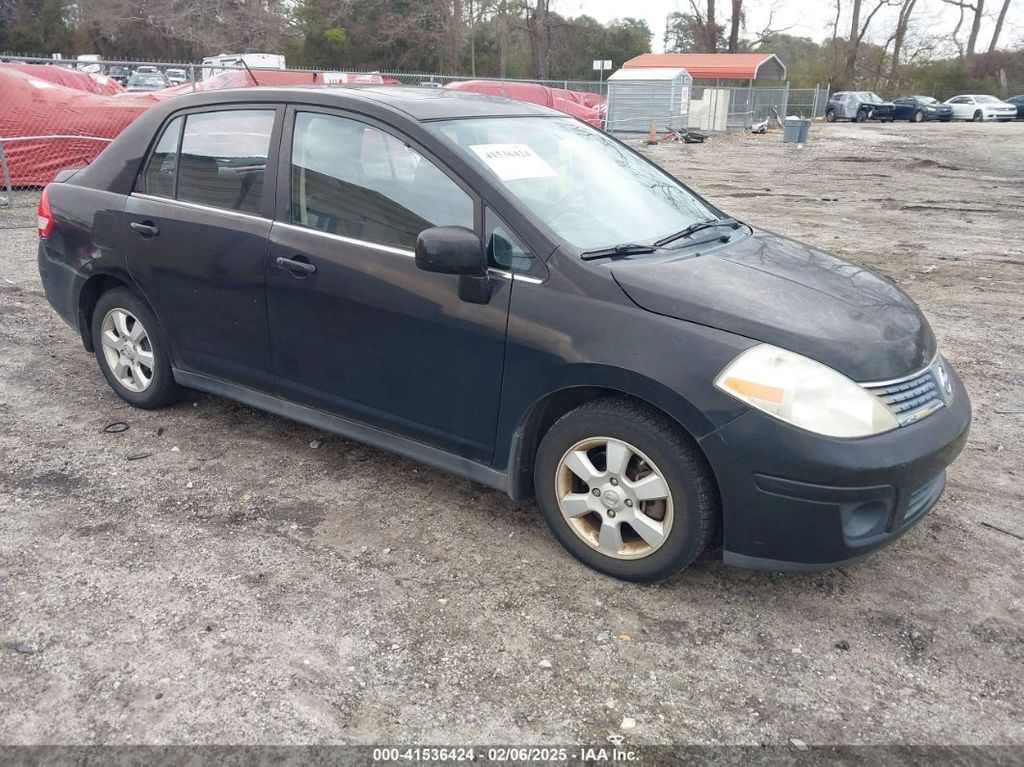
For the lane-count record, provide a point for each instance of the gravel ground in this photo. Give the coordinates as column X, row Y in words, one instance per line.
column 237, row 585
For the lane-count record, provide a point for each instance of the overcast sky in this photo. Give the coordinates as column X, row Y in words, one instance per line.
column 806, row 18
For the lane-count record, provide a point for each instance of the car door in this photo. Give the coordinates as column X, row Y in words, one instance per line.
column 198, row 223
column 963, row 107
column 904, row 109
column 356, row 328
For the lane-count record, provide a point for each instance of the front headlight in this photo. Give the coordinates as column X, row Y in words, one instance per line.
column 804, row 393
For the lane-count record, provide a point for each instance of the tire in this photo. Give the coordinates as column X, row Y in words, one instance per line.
column 688, row 510
column 978, row 117
column 861, row 117
column 118, row 315
column 830, row 115
column 919, row 116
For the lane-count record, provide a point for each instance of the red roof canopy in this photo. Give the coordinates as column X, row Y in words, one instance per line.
column 715, row 66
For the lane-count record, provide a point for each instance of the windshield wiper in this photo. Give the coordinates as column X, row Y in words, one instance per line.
column 692, row 229
column 625, row 249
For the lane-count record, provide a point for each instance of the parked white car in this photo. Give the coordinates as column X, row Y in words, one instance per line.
column 980, row 108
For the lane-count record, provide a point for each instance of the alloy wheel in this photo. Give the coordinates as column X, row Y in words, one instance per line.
column 614, row 498
column 127, row 349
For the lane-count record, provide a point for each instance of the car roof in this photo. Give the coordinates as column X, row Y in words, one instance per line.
column 421, row 104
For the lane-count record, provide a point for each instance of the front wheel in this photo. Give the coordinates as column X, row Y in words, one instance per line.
column 624, row 490
column 919, row 116
column 131, row 351
column 978, row 116
column 861, row 117
column 830, row 116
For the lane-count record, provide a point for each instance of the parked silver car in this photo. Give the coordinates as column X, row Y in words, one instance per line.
column 858, row 105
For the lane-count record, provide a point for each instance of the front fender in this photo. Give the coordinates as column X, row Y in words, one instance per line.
column 565, row 347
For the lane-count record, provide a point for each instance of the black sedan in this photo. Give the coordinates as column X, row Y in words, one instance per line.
column 919, row 109
column 1017, row 101
column 512, row 296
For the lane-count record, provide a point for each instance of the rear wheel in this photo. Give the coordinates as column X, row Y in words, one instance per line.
column 830, row 116
column 131, row 351
column 624, row 490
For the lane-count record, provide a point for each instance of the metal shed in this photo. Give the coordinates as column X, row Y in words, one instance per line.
column 638, row 96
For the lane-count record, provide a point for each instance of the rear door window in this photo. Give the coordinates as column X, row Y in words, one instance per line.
column 224, row 158
column 163, row 162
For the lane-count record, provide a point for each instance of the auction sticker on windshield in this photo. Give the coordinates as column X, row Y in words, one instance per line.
column 512, row 162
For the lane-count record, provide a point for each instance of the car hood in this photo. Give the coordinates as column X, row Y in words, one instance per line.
column 785, row 293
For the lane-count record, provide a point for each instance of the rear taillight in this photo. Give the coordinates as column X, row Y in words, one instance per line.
column 44, row 215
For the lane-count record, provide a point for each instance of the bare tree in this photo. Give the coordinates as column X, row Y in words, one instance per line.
column 857, row 32
column 711, row 29
column 736, row 20
column 769, row 31
column 899, row 36
column 851, row 47
column 833, row 70
column 977, row 10
column 999, row 26
column 706, row 23
column 539, row 31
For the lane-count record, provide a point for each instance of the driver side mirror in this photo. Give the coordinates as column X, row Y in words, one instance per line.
column 456, row 250
column 451, row 250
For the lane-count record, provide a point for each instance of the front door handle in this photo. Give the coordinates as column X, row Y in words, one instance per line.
column 145, row 228
column 296, row 267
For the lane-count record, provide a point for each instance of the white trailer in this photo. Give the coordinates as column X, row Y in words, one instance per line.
column 213, row 65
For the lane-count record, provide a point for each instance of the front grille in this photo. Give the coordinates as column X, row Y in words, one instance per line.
column 911, row 399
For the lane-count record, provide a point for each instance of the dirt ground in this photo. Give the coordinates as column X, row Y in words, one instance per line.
column 237, row 585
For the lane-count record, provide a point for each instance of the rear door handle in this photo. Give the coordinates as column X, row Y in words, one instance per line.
column 295, row 266
column 145, row 228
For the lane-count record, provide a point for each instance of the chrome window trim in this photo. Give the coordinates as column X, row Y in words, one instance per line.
column 199, row 206
column 901, row 379
column 528, row 279
column 330, row 235
column 348, row 240
column 515, row 276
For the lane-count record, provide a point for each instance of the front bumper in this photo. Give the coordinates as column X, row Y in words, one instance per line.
column 793, row 500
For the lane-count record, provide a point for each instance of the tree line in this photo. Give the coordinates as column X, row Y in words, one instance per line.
column 909, row 58
column 504, row 38
column 525, row 38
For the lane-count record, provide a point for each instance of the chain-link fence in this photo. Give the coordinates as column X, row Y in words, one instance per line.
column 33, row 147
column 716, row 108
column 185, row 73
column 35, row 143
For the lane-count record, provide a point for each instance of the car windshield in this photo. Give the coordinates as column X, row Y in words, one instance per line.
column 589, row 189
column 925, row 99
column 146, row 80
column 986, row 99
column 871, row 98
